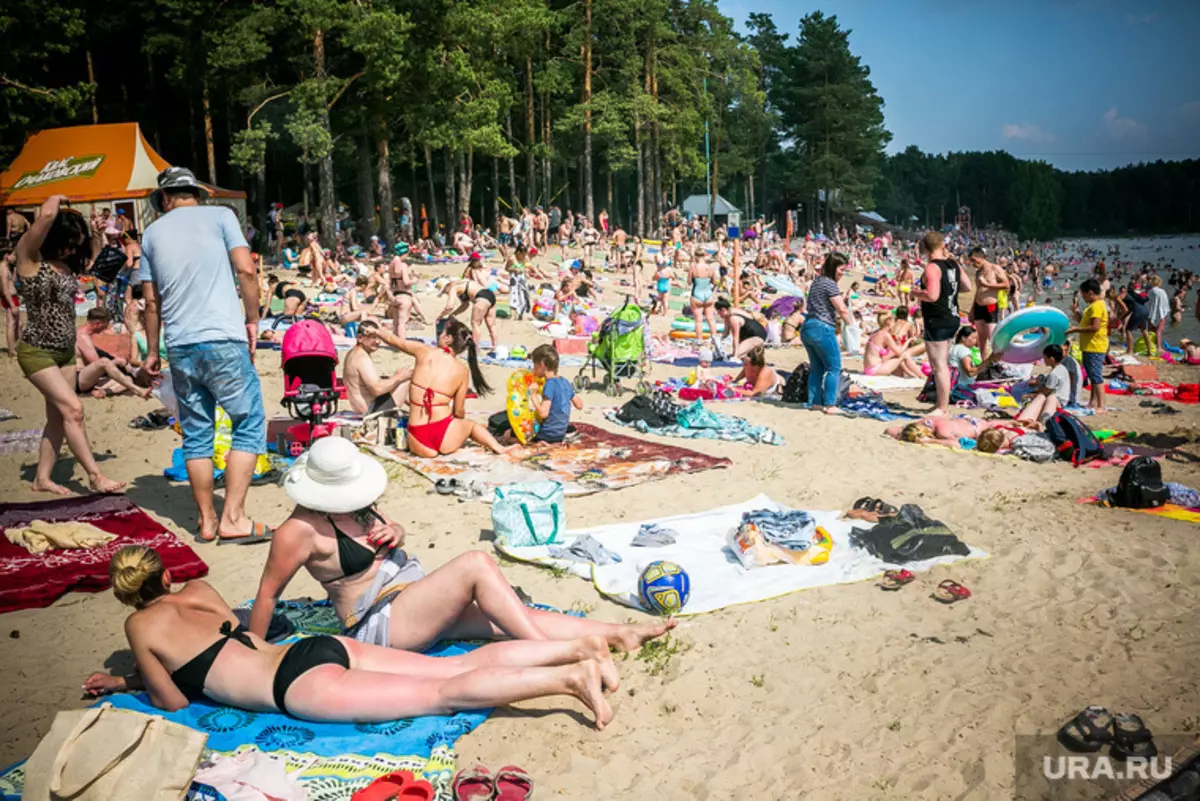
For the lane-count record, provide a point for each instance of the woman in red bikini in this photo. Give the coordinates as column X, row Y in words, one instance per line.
column 437, row 394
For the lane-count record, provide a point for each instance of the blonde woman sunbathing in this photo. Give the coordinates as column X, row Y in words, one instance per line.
column 188, row 644
column 949, row 431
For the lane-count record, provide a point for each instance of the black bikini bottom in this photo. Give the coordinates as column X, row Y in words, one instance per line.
column 302, row 657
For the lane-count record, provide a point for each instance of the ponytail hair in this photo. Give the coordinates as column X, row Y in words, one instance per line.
column 461, row 340
column 136, row 573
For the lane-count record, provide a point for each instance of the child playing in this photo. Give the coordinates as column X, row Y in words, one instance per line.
column 553, row 406
column 1093, row 338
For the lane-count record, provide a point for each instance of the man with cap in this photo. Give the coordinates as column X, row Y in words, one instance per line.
column 190, row 256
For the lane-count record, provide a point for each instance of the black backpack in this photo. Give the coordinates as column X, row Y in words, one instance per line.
column 795, row 389
column 108, row 263
column 1073, row 441
column 1141, row 485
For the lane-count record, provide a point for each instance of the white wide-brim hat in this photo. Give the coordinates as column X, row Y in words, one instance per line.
column 335, row 478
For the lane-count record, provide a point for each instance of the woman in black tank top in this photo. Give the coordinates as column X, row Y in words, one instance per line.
column 938, row 294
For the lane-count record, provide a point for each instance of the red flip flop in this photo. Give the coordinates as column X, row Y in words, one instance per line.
column 895, row 579
column 473, row 784
column 513, row 784
column 398, row 786
column 951, row 592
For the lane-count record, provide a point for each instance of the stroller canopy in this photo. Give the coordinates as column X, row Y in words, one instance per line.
column 308, row 338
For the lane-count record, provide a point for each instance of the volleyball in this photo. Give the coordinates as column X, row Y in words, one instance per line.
column 664, row 587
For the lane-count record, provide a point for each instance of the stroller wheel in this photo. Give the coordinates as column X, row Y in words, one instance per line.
column 643, row 388
column 612, row 389
column 581, row 382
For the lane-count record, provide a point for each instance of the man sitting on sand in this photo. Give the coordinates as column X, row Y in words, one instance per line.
column 101, row 373
column 366, row 391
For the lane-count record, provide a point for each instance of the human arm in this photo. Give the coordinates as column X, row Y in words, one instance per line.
column 87, row 349
column 29, row 246
column 157, row 680
column 986, row 279
column 931, row 284
column 153, row 324
column 839, row 306
column 410, row 346
column 291, row 548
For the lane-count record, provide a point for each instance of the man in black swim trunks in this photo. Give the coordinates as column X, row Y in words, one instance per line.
column 366, row 391
column 990, row 279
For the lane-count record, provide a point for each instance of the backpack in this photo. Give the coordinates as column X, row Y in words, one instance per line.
column 795, row 389
column 1141, row 485
column 108, row 263
column 1073, row 441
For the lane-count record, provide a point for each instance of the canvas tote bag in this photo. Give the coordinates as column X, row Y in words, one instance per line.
column 109, row 754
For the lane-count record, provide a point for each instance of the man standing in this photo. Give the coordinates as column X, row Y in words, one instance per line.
column 189, row 257
column 985, row 312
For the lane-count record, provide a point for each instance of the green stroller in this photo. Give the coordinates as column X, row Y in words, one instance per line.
column 619, row 350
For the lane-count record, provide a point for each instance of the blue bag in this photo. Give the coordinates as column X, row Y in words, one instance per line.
column 529, row 514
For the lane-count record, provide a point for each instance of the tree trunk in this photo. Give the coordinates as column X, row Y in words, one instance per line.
column 611, row 209
column 260, row 199
column 656, row 145
column 495, row 194
column 305, row 168
column 383, row 167
column 326, row 190
column 433, row 206
column 512, row 170
column 588, row 205
column 750, row 192
column 150, row 108
column 547, row 172
column 209, row 149
column 641, row 179
column 195, row 143
column 91, row 70
column 716, row 176
column 366, row 193
column 464, row 183
column 451, row 206
column 531, row 193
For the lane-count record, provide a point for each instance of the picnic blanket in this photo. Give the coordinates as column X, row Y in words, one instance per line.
column 29, row 581
column 594, row 460
column 885, row 383
column 333, row 759
column 1184, row 505
column 724, row 427
column 717, row 577
column 20, row 441
column 874, row 407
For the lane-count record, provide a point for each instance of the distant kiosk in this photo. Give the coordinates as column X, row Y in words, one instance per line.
column 962, row 220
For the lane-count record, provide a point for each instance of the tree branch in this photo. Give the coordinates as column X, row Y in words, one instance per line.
column 342, row 91
column 4, row 79
column 258, row 108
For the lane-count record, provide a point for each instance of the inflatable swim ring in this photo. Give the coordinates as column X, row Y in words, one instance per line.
column 400, row 248
column 690, row 334
column 1016, row 344
column 521, row 416
column 686, row 324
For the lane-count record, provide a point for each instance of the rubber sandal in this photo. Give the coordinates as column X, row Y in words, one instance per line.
column 398, row 786
column 1088, row 731
column 895, row 579
column 258, row 533
column 1131, row 738
column 473, row 784
column 863, row 503
column 446, row 486
column 951, row 592
column 883, row 508
column 513, row 784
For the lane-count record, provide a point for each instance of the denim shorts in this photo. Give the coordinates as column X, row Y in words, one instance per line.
column 211, row 374
column 1093, row 367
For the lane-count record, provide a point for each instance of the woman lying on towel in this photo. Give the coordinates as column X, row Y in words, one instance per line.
column 189, row 644
column 380, row 593
column 950, row 431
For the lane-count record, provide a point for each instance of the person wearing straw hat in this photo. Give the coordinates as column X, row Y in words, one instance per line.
column 380, row 593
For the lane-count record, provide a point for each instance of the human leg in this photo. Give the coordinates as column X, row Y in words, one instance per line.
column 747, row 345
column 832, row 357
column 88, row 377
column 478, row 317
column 197, row 416
column 984, row 329
column 490, row 319
column 57, row 385
column 816, row 361
column 939, row 362
column 1033, row 409
column 473, row 624
column 48, row 450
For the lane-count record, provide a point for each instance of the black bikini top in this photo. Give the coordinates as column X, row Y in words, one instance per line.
column 190, row 677
column 353, row 556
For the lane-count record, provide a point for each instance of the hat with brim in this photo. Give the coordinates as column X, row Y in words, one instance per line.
column 335, row 477
column 175, row 178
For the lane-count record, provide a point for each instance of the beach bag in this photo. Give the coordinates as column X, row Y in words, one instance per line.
column 910, row 536
column 642, row 409
column 109, row 754
column 1073, row 441
column 108, row 263
column 1034, row 447
column 1141, row 485
column 795, row 389
column 529, row 514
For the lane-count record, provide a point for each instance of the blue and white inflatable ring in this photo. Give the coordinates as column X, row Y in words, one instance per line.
column 1014, row 339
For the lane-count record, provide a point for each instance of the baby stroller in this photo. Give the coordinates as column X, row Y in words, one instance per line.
column 311, row 388
column 619, row 349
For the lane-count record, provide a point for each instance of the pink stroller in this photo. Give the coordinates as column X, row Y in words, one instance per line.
column 311, row 388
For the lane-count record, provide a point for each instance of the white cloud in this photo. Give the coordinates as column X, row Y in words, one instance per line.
column 1119, row 127
column 1141, row 19
column 1027, row 132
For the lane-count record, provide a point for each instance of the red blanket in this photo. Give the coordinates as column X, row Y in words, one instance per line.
column 30, row 581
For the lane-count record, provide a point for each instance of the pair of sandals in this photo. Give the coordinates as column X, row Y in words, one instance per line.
column 478, row 784
column 871, row 510
column 398, row 786
column 1095, row 727
column 947, row 592
column 1159, row 407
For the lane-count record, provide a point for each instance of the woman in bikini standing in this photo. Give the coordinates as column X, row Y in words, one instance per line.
column 438, row 394
column 464, row 294
column 403, row 301
column 703, row 276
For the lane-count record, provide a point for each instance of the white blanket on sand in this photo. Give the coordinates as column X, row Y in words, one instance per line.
column 884, row 383
column 717, row 577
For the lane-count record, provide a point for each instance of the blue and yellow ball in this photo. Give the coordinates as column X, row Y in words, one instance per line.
column 664, row 587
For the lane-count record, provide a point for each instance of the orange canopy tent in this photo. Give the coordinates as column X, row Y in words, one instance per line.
column 94, row 165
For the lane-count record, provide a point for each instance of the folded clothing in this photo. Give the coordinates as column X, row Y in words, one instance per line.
column 585, row 549
column 910, row 536
column 792, row 529
column 40, row 536
column 652, row 535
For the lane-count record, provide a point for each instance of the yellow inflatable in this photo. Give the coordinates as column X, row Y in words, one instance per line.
column 223, row 442
column 521, row 415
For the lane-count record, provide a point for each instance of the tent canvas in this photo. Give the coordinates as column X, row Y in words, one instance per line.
column 697, row 206
column 93, row 164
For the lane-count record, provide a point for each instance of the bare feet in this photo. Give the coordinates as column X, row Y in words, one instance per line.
column 587, row 684
column 144, row 394
column 834, row 410
column 634, row 635
column 596, row 647
column 49, row 486
column 102, row 484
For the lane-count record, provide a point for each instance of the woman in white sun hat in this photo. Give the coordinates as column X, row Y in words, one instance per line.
column 380, row 593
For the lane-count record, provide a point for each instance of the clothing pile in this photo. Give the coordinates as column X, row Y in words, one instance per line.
column 767, row 537
column 909, row 536
column 40, row 536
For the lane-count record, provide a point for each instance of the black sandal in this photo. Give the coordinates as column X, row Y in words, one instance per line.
column 864, row 503
column 1088, row 731
column 882, row 508
column 1131, row 738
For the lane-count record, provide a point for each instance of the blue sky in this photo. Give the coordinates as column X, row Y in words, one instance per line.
column 1082, row 84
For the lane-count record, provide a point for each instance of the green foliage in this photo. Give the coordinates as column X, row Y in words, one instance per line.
column 249, row 150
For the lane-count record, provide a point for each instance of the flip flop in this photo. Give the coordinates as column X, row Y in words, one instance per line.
column 258, row 533
column 895, row 579
column 513, row 784
column 863, row 503
column 473, row 784
column 1131, row 738
column 446, row 486
column 1088, row 731
column 398, row 786
column 951, row 592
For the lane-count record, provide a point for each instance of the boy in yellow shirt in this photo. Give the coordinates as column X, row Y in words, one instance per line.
column 1093, row 339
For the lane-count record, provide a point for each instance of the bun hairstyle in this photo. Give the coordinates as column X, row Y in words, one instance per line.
column 461, row 339
column 136, row 572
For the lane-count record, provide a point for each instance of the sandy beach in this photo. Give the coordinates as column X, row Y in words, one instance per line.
column 843, row 692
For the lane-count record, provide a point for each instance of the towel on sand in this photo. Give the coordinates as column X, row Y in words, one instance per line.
column 724, row 427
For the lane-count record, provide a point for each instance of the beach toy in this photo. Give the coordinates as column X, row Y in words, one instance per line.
column 664, row 587
column 1016, row 344
column 521, row 415
column 976, row 357
column 688, row 324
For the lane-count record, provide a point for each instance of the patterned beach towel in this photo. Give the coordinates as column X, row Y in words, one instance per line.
column 723, row 427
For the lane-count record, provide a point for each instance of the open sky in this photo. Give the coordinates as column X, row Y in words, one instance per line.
column 1082, row 84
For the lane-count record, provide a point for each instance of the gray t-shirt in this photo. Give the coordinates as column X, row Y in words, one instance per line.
column 185, row 253
column 1058, row 381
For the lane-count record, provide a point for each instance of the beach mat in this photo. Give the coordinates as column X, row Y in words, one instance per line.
column 30, row 581
column 730, row 429
column 717, row 577
column 20, row 441
column 593, row 461
column 886, row 383
column 1170, row 511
